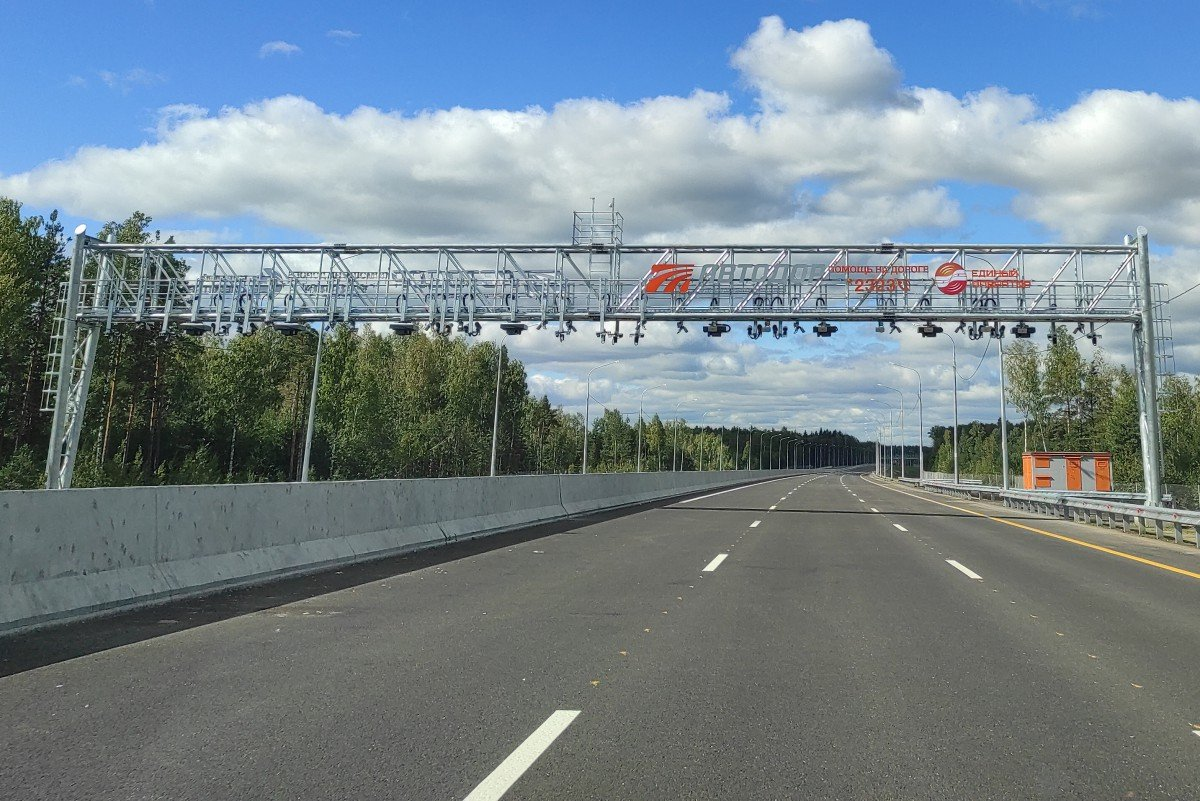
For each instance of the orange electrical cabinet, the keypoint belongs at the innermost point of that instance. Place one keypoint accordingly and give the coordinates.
(1069, 472)
(1074, 474)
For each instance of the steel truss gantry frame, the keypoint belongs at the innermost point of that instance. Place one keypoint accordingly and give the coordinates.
(446, 288)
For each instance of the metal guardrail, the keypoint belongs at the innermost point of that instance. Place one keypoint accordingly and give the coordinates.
(1115, 509)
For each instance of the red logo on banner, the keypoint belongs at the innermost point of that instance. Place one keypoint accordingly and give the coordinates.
(670, 278)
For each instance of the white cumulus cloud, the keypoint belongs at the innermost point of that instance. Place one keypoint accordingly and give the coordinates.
(836, 63)
(838, 148)
(278, 47)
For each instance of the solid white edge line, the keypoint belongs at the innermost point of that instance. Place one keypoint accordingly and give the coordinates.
(897, 525)
(733, 489)
(511, 769)
(755, 524)
(966, 571)
(715, 563)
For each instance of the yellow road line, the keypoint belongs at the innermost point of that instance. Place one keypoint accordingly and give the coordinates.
(1063, 537)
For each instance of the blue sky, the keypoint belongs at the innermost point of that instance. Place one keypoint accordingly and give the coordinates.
(106, 80)
(810, 121)
(412, 56)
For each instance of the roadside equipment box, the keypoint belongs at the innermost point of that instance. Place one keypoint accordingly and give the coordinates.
(1059, 470)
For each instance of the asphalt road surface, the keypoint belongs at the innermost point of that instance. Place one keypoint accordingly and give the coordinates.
(820, 636)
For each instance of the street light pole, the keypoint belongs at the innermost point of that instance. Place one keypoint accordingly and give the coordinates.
(720, 449)
(891, 438)
(587, 411)
(954, 368)
(1003, 421)
(892, 444)
(642, 398)
(496, 409)
(920, 420)
(878, 448)
(901, 394)
(675, 443)
(312, 404)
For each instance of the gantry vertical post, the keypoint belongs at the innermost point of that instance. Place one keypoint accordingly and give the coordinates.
(1146, 365)
(70, 397)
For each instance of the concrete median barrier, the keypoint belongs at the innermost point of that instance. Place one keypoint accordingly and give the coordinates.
(67, 554)
(475, 507)
(82, 550)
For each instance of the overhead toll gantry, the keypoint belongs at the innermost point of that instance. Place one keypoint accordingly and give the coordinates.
(775, 290)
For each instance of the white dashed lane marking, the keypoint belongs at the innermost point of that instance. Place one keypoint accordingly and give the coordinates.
(519, 761)
(715, 563)
(966, 571)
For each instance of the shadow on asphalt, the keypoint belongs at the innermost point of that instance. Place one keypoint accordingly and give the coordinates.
(60, 642)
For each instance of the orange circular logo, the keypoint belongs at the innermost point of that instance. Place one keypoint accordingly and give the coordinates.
(951, 278)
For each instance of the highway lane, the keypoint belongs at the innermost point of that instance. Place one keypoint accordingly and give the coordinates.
(1119, 606)
(853, 662)
(1133, 623)
(829, 654)
(395, 686)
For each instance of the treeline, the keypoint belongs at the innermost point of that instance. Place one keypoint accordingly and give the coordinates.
(1060, 401)
(176, 409)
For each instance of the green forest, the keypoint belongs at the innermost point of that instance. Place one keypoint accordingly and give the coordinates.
(179, 409)
(1060, 401)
